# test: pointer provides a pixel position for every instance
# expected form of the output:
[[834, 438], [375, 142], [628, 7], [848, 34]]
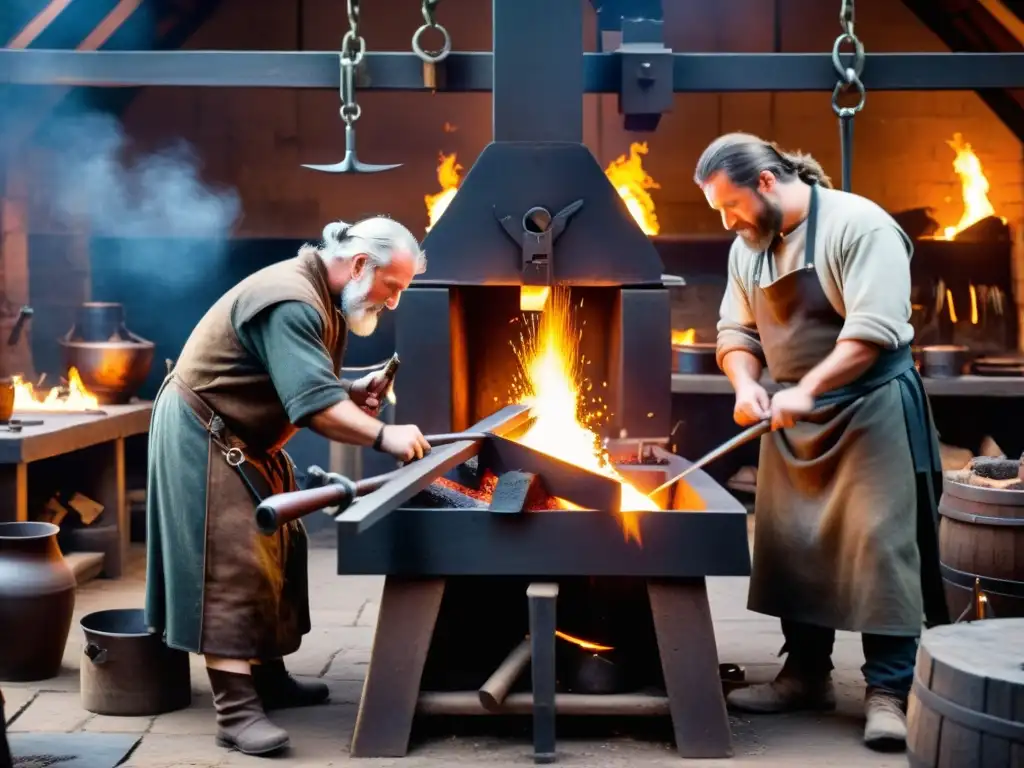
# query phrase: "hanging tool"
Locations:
[[744, 437], [849, 82], [431, 58], [353, 48]]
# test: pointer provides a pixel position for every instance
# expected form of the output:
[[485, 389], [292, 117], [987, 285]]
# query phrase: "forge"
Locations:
[[543, 320]]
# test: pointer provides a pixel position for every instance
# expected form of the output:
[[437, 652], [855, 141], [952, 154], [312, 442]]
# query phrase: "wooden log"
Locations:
[[461, 703], [981, 539], [497, 686], [966, 704]]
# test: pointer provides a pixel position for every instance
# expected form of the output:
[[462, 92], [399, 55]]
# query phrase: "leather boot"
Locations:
[[886, 726], [241, 721], [279, 690], [786, 693]]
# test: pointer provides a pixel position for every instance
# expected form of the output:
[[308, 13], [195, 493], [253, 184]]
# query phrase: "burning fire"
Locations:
[[626, 174], [553, 385], [684, 338], [974, 185], [73, 397], [584, 644]]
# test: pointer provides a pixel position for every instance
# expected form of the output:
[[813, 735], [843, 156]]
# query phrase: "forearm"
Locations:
[[845, 364], [741, 367], [346, 422]]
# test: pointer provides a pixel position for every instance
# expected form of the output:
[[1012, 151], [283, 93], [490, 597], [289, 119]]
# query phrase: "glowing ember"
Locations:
[[448, 178], [73, 397], [552, 384], [974, 185], [631, 181], [626, 174], [584, 644], [684, 338]]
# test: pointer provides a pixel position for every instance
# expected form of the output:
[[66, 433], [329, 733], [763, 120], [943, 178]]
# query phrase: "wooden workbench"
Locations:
[[87, 445]]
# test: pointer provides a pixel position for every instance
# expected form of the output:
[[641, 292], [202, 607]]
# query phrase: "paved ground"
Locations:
[[338, 649]]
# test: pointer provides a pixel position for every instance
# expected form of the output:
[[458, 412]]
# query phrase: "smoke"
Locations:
[[154, 206]]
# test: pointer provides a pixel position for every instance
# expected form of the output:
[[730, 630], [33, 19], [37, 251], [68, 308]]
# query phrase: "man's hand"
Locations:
[[790, 404], [752, 404], [369, 391], [404, 441]]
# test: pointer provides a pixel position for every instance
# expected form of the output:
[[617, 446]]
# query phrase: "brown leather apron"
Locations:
[[845, 531], [255, 592]]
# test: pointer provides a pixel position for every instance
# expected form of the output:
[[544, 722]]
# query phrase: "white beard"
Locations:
[[360, 316]]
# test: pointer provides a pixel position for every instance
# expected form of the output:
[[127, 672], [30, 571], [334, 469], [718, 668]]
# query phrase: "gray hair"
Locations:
[[378, 237]]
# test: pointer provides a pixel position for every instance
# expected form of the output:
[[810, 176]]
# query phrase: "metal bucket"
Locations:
[[127, 670]]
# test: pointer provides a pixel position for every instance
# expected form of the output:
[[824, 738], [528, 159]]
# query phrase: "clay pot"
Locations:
[[37, 598]]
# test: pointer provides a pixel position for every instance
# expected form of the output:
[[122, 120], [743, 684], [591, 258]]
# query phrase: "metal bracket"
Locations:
[[645, 66], [535, 235]]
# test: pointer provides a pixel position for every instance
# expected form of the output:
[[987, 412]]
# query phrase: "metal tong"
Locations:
[[334, 492], [750, 433]]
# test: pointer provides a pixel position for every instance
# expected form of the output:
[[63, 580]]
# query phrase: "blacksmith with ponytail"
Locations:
[[818, 291]]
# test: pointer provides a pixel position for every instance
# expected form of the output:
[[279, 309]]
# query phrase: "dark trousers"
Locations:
[[888, 659], [5, 753]]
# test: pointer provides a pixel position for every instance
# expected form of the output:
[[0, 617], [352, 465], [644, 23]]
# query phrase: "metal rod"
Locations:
[[497, 686], [543, 599], [571, 704], [846, 147], [471, 72], [744, 437]]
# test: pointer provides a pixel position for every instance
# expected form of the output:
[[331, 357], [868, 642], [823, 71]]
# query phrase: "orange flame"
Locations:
[[74, 397], [974, 187], [553, 385], [684, 338], [626, 174], [584, 644]]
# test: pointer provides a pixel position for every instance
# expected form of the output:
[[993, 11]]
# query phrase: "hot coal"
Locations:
[[444, 494]]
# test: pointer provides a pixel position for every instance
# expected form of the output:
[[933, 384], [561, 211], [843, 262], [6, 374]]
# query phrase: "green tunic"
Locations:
[[214, 584]]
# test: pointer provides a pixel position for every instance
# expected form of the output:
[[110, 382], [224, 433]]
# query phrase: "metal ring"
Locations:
[[352, 108], [432, 58], [858, 54], [842, 86], [346, 42], [234, 456]]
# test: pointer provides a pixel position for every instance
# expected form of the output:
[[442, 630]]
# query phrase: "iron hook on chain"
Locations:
[[849, 81], [431, 58], [353, 48]]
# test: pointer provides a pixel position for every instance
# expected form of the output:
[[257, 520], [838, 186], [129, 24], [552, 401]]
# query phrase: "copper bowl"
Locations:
[[111, 370]]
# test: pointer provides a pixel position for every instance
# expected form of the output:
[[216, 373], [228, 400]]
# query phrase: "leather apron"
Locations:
[[846, 520]]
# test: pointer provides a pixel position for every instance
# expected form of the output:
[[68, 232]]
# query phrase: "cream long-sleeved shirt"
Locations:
[[862, 259]]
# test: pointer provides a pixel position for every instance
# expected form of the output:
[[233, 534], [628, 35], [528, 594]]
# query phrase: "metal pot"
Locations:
[[37, 599], [112, 370], [695, 359], [99, 321], [127, 670], [943, 361]]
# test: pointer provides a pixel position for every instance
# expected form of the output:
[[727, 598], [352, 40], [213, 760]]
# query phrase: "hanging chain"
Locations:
[[431, 57], [353, 48], [849, 72]]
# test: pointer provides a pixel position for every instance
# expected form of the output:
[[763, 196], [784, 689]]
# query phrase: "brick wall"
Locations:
[[256, 140]]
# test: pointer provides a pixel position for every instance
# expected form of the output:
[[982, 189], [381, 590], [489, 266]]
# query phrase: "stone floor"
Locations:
[[338, 649]]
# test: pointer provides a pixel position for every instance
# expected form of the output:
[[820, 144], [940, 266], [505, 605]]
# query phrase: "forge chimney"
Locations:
[[535, 209]]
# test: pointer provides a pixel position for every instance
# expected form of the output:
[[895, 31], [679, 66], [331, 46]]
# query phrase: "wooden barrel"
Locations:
[[981, 536], [966, 708]]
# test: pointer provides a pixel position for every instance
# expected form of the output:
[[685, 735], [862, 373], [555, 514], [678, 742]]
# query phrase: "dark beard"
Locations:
[[767, 227]]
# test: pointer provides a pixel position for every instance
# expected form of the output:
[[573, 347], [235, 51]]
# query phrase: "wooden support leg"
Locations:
[[13, 493], [106, 485], [405, 626], [689, 660]]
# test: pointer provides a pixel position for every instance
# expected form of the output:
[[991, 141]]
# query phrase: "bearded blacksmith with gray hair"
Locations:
[[261, 364], [845, 522]]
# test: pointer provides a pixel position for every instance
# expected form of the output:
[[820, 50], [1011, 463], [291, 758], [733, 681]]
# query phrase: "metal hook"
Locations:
[[350, 112]]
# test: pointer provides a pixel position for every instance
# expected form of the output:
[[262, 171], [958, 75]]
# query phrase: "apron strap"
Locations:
[[809, 242]]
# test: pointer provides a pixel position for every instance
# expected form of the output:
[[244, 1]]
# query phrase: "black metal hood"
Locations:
[[536, 208]]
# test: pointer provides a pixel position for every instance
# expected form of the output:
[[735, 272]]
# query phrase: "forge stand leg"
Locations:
[[542, 600], [689, 661], [405, 626]]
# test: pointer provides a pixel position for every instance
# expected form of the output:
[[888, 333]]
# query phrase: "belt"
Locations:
[[230, 445]]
